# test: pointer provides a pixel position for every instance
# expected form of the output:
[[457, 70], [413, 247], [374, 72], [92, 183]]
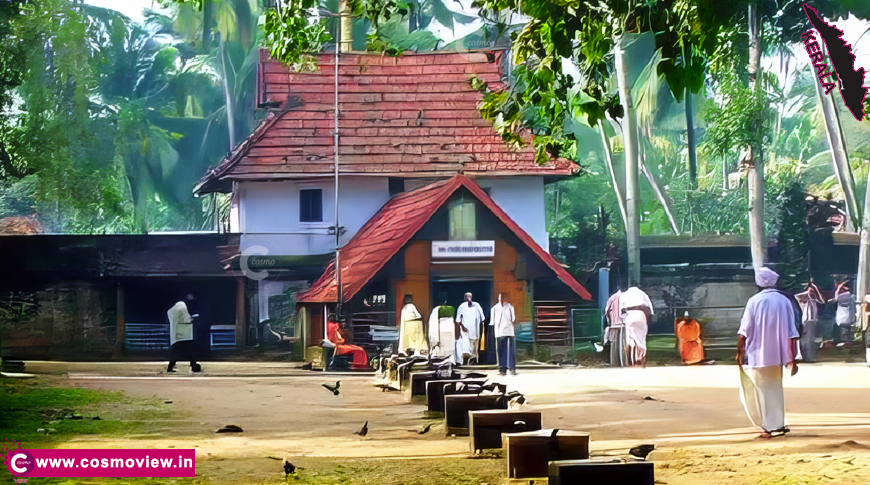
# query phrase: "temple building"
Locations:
[[431, 201]]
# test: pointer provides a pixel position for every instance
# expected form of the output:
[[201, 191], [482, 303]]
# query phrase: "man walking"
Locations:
[[767, 341], [502, 317], [470, 315], [182, 344]]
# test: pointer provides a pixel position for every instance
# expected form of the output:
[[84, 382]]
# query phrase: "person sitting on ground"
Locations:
[[333, 334]]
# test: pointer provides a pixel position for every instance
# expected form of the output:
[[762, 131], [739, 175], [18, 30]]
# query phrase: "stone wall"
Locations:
[[67, 321]]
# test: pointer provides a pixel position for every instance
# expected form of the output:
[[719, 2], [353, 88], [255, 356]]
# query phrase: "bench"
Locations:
[[528, 454], [435, 391], [419, 379], [456, 409], [486, 427], [580, 472]]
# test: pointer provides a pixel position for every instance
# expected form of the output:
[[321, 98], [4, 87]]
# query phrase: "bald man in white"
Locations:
[[767, 341]]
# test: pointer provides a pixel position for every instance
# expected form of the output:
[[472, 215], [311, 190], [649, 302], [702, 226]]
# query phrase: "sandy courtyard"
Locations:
[[694, 418]]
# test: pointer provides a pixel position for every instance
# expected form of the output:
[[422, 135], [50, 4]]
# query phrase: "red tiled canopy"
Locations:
[[395, 224], [409, 116]]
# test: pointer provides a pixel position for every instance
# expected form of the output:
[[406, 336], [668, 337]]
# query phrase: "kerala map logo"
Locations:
[[19, 462], [851, 80]]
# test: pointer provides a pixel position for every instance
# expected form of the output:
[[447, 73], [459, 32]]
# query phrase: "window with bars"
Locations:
[[311, 205]]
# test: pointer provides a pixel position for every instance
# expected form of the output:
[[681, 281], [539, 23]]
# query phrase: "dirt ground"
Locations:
[[693, 416]]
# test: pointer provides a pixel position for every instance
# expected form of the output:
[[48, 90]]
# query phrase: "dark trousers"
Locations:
[[184, 350], [507, 354]]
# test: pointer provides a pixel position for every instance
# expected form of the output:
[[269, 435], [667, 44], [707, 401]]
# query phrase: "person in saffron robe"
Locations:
[[636, 308], [412, 337], [767, 340], [333, 334]]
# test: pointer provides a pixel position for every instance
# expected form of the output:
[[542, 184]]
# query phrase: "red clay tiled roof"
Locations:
[[410, 116], [395, 224]]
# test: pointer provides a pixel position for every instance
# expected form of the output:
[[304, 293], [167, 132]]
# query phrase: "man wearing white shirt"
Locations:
[[502, 317], [767, 341], [470, 315], [636, 309]]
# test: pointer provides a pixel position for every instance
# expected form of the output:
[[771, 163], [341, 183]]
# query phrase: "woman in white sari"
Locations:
[[412, 337], [442, 335]]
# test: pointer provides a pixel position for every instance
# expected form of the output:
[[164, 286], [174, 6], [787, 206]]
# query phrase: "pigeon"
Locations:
[[334, 389], [288, 468], [641, 451], [425, 429], [364, 431]]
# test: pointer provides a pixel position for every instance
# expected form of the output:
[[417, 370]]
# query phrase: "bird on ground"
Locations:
[[334, 389], [641, 451], [425, 429], [364, 431], [288, 468]]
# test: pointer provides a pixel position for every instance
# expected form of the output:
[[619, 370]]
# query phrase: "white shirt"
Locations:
[[180, 323], [471, 316], [768, 325], [845, 309], [634, 297], [502, 317]]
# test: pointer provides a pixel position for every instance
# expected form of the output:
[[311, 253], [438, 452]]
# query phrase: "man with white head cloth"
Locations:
[[470, 315], [767, 341]]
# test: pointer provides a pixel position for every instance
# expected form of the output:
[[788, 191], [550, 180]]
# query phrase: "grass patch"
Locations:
[[32, 404]]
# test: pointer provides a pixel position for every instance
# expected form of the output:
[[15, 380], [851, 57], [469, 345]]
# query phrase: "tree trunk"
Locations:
[[755, 159], [632, 185], [608, 161], [662, 196], [346, 27], [839, 156], [207, 22], [691, 140], [864, 258], [228, 97]]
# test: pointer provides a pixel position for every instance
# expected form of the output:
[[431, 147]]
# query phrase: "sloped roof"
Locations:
[[410, 116], [385, 234]]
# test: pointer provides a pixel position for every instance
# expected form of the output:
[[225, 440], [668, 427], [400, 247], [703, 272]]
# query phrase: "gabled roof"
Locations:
[[385, 234], [409, 116]]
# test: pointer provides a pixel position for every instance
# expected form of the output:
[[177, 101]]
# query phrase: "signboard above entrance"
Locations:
[[463, 249]]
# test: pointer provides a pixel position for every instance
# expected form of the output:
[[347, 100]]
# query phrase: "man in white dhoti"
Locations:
[[613, 330], [442, 338], [412, 337], [767, 341], [182, 346], [636, 309], [502, 317], [470, 315]]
